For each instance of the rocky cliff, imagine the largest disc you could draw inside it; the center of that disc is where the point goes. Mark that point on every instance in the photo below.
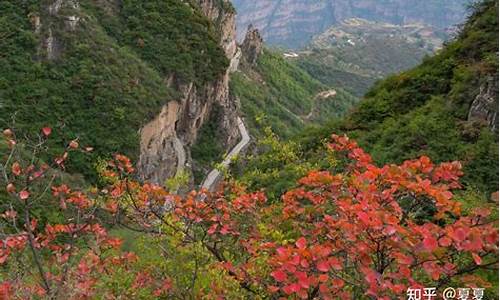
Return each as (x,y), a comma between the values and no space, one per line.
(252,46)
(165,141)
(484,108)
(168,138)
(291,23)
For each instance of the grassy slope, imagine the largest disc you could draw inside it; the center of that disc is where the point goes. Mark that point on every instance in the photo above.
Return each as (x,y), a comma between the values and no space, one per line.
(110,77)
(283,95)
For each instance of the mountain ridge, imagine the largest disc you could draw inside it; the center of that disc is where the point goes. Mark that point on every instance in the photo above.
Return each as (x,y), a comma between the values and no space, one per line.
(357,52)
(291,23)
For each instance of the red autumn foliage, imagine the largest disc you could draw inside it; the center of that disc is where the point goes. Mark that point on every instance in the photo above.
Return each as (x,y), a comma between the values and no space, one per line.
(350,235)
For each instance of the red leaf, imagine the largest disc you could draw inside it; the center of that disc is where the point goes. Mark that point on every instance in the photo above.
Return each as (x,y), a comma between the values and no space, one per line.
(403,259)
(24,195)
(323,288)
(304,263)
(5,290)
(16,169)
(302,294)
(337,283)
(303,281)
(292,288)
(7,132)
(335,263)
(430,243)
(73,144)
(323,266)
(283,253)
(323,278)
(11,188)
(279,276)
(459,234)
(364,217)
(46,131)
(445,241)
(301,243)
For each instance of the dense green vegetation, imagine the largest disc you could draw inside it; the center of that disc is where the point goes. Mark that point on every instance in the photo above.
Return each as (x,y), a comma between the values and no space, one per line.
(109,78)
(422,112)
(170,35)
(281,95)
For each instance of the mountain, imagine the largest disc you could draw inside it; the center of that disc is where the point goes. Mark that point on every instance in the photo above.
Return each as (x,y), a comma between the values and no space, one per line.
(270,92)
(445,108)
(357,52)
(135,77)
(274,92)
(292,23)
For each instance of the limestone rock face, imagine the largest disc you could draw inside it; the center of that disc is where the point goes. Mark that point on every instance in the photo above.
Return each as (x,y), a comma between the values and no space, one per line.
(48,27)
(165,141)
(252,46)
(485,106)
(65,11)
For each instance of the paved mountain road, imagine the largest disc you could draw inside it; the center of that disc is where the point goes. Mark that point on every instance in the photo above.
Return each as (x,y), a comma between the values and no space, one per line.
(214,175)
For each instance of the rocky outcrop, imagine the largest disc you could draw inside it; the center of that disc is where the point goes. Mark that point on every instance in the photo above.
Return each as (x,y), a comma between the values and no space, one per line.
(484,108)
(291,23)
(181,120)
(252,46)
(49,25)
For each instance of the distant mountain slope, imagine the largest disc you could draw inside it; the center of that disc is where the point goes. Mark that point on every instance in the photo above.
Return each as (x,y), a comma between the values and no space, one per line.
(272,91)
(445,108)
(292,23)
(357,52)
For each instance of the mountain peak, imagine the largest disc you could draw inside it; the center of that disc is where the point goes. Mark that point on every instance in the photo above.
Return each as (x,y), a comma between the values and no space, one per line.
(252,45)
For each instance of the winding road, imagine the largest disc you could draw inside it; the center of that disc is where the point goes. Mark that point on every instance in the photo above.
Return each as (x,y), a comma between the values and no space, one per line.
(323,95)
(214,175)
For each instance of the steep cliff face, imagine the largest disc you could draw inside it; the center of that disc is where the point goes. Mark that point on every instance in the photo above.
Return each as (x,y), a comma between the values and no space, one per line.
(167,139)
(485,106)
(292,23)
